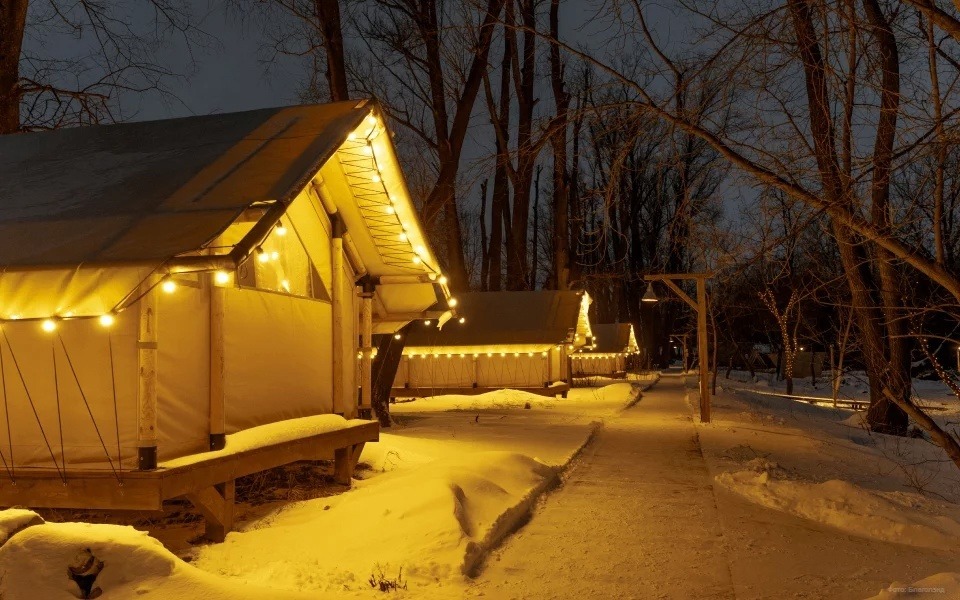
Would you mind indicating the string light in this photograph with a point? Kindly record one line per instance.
(390, 210)
(262, 255)
(403, 236)
(285, 285)
(417, 260)
(281, 230)
(463, 320)
(427, 322)
(107, 320)
(443, 280)
(49, 325)
(221, 277)
(274, 255)
(169, 286)
(375, 178)
(352, 136)
(452, 302)
(371, 120)
(368, 150)
(397, 336)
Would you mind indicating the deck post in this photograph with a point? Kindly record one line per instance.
(147, 377)
(218, 436)
(366, 350)
(341, 403)
(216, 504)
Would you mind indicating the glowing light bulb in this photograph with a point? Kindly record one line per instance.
(402, 236)
(221, 277)
(543, 354)
(463, 320)
(443, 280)
(49, 325)
(397, 336)
(427, 323)
(390, 210)
(262, 256)
(352, 136)
(14, 317)
(107, 320)
(274, 255)
(452, 302)
(421, 250)
(169, 286)
(368, 151)
(281, 230)
(432, 276)
(417, 260)
(285, 285)
(375, 178)
(371, 120)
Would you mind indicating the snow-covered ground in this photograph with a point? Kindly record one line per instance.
(774, 498)
(441, 488)
(815, 505)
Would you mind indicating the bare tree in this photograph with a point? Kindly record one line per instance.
(112, 60)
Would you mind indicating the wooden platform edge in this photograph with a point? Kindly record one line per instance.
(146, 490)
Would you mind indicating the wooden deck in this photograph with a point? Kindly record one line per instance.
(424, 392)
(206, 482)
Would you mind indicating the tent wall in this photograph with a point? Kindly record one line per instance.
(183, 367)
(88, 347)
(584, 364)
(440, 370)
(276, 358)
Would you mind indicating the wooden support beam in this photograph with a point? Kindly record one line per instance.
(342, 403)
(217, 504)
(147, 377)
(344, 461)
(702, 350)
(366, 350)
(217, 412)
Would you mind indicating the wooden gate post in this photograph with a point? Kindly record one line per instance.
(147, 377)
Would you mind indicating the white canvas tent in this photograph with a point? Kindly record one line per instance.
(519, 340)
(609, 355)
(164, 285)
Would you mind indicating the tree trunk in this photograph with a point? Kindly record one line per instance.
(484, 250)
(525, 74)
(13, 18)
(560, 270)
(384, 372)
(328, 12)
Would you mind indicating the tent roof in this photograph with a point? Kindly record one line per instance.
(146, 192)
(506, 318)
(612, 337)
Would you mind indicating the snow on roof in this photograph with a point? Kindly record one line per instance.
(613, 337)
(507, 318)
(142, 192)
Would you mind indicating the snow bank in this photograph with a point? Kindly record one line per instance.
(34, 564)
(935, 586)
(435, 522)
(497, 399)
(13, 520)
(901, 517)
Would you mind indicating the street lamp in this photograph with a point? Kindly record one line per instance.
(649, 296)
(700, 308)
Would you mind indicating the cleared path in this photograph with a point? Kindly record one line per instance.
(635, 518)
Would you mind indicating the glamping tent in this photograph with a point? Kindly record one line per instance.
(609, 355)
(167, 286)
(518, 340)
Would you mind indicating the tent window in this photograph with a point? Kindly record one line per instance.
(281, 264)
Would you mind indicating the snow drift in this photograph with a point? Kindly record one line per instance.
(900, 517)
(435, 523)
(34, 564)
